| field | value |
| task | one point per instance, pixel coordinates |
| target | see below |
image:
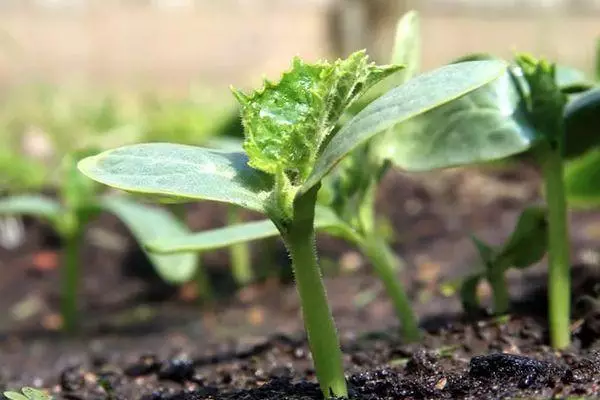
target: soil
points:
(143, 339)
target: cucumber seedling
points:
(561, 109)
(292, 142)
(526, 246)
(347, 198)
(79, 202)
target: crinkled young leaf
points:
(149, 224)
(582, 180)
(182, 173)
(34, 205)
(286, 122)
(546, 100)
(582, 124)
(486, 124)
(232, 234)
(415, 97)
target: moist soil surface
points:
(143, 339)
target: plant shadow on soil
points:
(141, 338)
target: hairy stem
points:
(70, 281)
(559, 279)
(385, 265)
(299, 238)
(239, 253)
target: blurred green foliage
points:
(40, 124)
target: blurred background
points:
(166, 45)
(110, 60)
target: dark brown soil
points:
(142, 339)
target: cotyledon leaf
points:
(149, 224)
(582, 124)
(28, 394)
(488, 123)
(582, 180)
(232, 234)
(528, 242)
(182, 173)
(417, 96)
(34, 205)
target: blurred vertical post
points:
(365, 24)
(549, 16)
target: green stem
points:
(559, 280)
(239, 253)
(500, 294)
(385, 264)
(299, 238)
(205, 293)
(70, 281)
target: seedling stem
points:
(385, 264)
(299, 237)
(500, 294)
(559, 279)
(70, 281)
(239, 252)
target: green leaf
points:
(528, 243)
(582, 180)
(232, 234)
(568, 77)
(474, 57)
(34, 394)
(486, 124)
(28, 394)
(582, 124)
(149, 224)
(34, 205)
(486, 252)
(181, 173)
(14, 396)
(478, 91)
(286, 122)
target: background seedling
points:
(561, 110)
(80, 201)
(526, 246)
